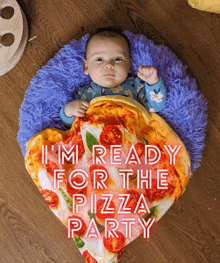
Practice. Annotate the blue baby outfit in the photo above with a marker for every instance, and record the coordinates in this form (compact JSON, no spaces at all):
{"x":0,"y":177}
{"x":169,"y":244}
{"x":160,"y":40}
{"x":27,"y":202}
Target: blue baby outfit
{"x":153,"y":98}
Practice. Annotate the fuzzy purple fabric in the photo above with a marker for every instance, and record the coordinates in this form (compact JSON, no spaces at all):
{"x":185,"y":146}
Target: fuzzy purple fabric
{"x":55,"y":83}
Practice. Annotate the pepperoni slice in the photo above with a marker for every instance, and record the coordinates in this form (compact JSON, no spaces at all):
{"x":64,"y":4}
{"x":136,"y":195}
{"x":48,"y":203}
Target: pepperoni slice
{"x":133,"y":199}
{"x":77,"y":140}
{"x":51,"y":166}
{"x":100,"y":204}
{"x":98,"y":179}
{"x":50,"y":198}
{"x":111,"y":135}
{"x":114,"y":244}
{"x":88,"y":258}
{"x":155,"y":194}
{"x":71,"y":190}
{"x":82,"y":230}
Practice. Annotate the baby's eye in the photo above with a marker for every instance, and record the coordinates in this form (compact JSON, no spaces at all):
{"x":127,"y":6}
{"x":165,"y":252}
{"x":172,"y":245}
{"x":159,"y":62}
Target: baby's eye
{"x":118,"y":59}
{"x":99,"y":59}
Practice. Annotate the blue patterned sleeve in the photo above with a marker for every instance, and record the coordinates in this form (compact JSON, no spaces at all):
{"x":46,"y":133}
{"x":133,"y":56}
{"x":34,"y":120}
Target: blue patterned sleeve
{"x":67,"y":121}
{"x":152,"y":97}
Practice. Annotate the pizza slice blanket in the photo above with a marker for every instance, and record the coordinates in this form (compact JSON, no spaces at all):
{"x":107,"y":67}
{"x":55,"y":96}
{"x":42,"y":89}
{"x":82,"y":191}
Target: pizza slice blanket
{"x":111,"y":177}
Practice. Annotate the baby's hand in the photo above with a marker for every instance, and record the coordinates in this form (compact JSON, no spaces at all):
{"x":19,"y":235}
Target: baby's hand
{"x":148,"y":74}
{"x":76,"y":108}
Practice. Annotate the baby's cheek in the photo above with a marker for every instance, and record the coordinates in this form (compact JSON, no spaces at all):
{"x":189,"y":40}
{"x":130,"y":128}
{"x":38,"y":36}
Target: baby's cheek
{"x":97,"y":71}
{"x":96,"y":74}
{"x":123,"y":74}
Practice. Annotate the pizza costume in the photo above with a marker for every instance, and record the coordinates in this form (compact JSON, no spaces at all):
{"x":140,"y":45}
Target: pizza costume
{"x":118,"y":121}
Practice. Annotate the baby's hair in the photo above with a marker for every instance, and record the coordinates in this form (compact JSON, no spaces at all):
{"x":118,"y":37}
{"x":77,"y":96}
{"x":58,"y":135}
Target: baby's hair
{"x":108,"y":32}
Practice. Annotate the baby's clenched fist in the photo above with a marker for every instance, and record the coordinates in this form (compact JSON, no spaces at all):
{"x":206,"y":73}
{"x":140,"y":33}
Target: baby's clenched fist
{"x":148,"y":74}
{"x":76,"y":108}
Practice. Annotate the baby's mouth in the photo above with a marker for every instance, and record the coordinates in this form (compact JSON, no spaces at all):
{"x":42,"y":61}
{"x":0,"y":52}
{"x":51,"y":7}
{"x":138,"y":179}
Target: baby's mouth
{"x":109,"y":75}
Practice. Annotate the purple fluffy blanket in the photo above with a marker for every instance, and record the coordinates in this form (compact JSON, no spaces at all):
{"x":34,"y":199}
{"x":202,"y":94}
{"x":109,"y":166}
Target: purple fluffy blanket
{"x":55,"y":83}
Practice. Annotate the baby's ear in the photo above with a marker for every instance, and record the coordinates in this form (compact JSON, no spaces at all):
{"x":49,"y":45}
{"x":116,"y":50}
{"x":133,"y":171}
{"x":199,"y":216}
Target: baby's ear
{"x":85,"y":67}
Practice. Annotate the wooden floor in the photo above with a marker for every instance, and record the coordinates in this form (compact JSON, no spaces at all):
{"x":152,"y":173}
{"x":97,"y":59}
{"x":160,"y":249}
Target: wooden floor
{"x":190,"y":231}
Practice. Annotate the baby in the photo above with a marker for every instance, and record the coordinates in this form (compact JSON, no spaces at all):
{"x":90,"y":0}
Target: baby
{"x":108,"y":63}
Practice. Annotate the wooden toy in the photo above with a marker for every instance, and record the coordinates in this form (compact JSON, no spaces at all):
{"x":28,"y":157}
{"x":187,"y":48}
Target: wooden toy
{"x":13,"y":34}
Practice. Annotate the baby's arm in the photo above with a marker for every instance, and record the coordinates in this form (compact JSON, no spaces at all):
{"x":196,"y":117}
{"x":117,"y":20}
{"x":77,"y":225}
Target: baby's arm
{"x":74,"y":108}
{"x":153,"y":95}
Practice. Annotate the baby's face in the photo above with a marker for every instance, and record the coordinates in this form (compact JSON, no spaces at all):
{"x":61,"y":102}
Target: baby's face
{"x":108,"y":61}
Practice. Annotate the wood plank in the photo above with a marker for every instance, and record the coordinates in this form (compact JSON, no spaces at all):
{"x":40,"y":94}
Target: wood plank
{"x":190,"y":231}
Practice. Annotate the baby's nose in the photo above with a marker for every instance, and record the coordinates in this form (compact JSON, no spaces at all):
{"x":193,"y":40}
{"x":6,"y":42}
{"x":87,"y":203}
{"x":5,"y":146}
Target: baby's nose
{"x":109,"y":64}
